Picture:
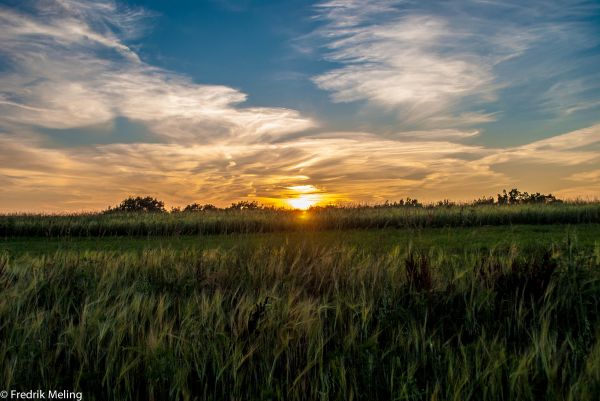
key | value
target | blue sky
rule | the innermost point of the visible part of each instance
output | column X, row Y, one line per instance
column 348, row 101
column 271, row 50
column 263, row 48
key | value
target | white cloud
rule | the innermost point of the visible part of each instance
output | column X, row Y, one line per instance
column 569, row 96
column 61, row 76
column 436, row 64
column 438, row 134
column 570, row 149
column 410, row 62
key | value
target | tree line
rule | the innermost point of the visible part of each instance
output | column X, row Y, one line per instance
column 153, row 205
column 506, row 198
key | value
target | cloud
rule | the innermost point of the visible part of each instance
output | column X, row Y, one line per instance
column 340, row 168
column 69, row 64
column 358, row 167
column 439, row 63
column 586, row 176
column 573, row 148
column 570, row 96
column 70, row 67
column 439, row 134
column 409, row 62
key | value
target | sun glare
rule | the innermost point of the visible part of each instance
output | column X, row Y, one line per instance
column 303, row 202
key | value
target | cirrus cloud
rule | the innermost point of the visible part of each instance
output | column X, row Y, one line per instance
column 69, row 66
column 441, row 64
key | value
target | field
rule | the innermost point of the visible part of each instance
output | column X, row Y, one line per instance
column 446, row 303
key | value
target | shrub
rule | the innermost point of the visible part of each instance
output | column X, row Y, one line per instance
column 196, row 207
column 245, row 205
column 139, row 204
column 515, row 197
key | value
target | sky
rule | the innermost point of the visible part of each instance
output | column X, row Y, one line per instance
column 295, row 102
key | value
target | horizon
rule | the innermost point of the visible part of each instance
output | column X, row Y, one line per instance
column 301, row 205
column 297, row 103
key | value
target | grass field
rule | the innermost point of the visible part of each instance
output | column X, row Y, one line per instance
column 415, row 304
column 269, row 220
column 450, row 239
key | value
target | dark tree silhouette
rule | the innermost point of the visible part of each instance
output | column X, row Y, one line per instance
column 139, row 204
column 516, row 197
column 245, row 205
column 484, row 200
column 196, row 207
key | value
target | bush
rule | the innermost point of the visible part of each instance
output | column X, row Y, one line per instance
column 515, row 197
column 245, row 205
column 196, row 207
column 138, row 204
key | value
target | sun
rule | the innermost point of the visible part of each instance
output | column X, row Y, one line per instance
column 302, row 197
column 303, row 202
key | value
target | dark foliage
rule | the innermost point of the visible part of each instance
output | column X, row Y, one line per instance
column 408, row 202
column 139, row 204
column 516, row 197
column 418, row 271
column 245, row 205
column 196, row 207
column 484, row 200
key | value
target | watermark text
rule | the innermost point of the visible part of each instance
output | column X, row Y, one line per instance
column 41, row 395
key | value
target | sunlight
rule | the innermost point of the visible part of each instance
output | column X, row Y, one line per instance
column 303, row 202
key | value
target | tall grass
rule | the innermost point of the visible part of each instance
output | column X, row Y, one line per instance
column 304, row 322
column 251, row 221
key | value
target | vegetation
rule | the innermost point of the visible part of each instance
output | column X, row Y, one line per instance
column 304, row 322
column 273, row 220
column 453, row 240
column 513, row 197
column 486, row 301
column 139, row 204
column 195, row 207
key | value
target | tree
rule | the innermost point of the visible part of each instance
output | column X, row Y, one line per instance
column 138, row 204
column 196, row 207
column 412, row 202
column 503, row 199
column 244, row 205
column 445, row 203
column 484, row 200
column 516, row 197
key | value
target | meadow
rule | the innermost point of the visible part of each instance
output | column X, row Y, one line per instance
column 280, row 220
column 446, row 303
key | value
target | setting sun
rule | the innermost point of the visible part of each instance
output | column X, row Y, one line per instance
column 302, row 197
column 303, row 202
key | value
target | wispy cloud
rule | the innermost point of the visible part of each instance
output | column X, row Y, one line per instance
column 439, row 63
column 573, row 148
column 438, row 134
column 413, row 62
column 341, row 166
column 69, row 66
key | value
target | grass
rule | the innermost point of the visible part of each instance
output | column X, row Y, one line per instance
column 428, row 311
column 260, row 221
column 304, row 322
column 451, row 239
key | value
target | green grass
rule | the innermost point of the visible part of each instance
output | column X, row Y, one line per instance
column 426, row 311
column 451, row 239
column 260, row 221
column 298, row 322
